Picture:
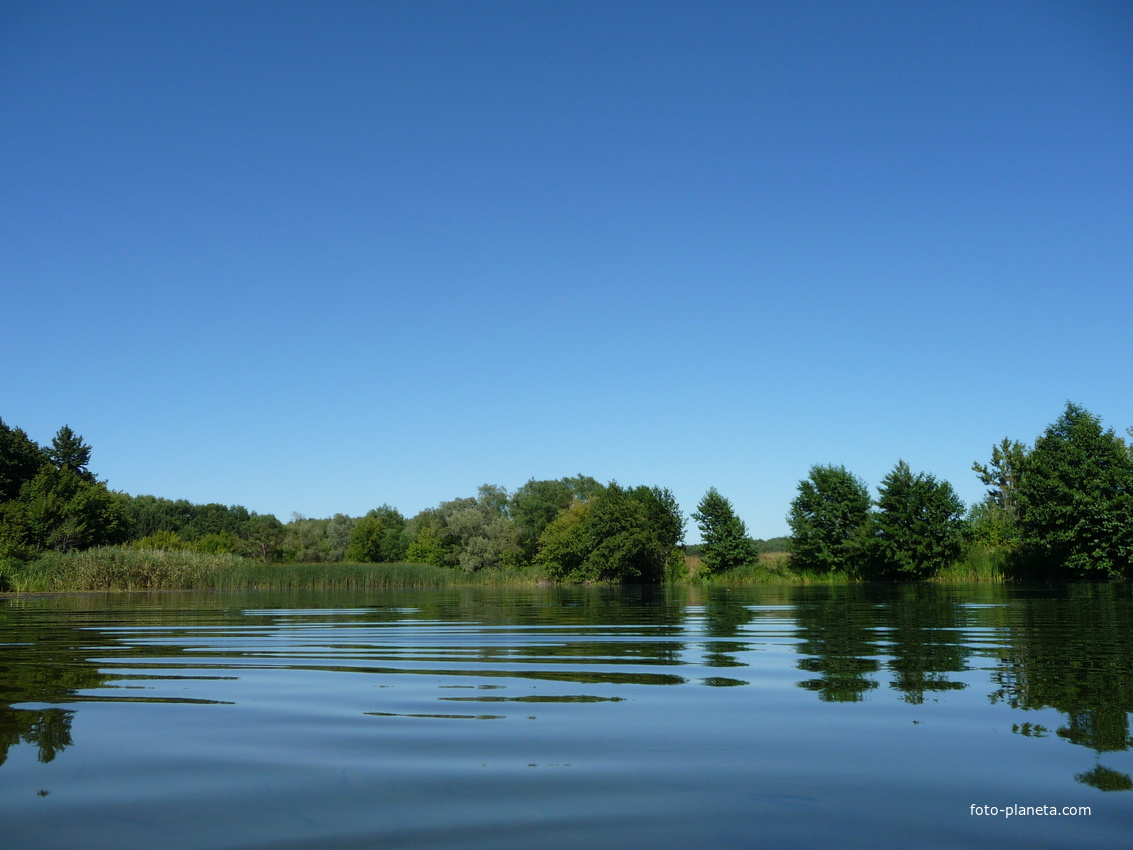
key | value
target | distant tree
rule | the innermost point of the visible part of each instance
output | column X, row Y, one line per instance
column 535, row 505
column 726, row 543
column 477, row 533
column 563, row 545
column 221, row 543
column 1076, row 499
column 63, row 510
column 918, row 528
column 614, row 535
column 378, row 537
column 68, row 452
column 163, row 540
column 20, row 459
column 263, row 536
column 828, row 519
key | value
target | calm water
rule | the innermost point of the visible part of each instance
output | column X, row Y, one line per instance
column 770, row 717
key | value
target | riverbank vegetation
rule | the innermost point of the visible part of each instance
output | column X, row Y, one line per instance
column 1062, row 509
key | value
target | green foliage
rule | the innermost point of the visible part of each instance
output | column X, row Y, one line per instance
column 828, row 519
column 263, row 537
column 918, row 528
column 166, row 540
column 536, row 504
column 615, row 535
column 563, row 545
column 426, row 547
column 1076, row 499
column 20, row 459
column 378, row 537
column 994, row 521
column 726, row 544
column 64, row 511
column 68, row 452
column 222, row 543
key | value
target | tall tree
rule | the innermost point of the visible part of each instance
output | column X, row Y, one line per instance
column 1076, row 499
column 726, row 542
column 68, row 452
column 828, row 518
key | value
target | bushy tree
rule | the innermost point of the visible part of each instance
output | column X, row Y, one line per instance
column 63, row 511
column 918, row 527
column 20, row 459
column 563, row 544
column 378, row 537
column 537, row 503
column 616, row 535
column 828, row 519
column 726, row 542
column 263, row 536
column 1076, row 499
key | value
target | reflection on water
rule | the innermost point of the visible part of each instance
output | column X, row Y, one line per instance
column 765, row 687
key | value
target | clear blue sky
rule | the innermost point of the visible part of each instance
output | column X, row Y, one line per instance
column 315, row 257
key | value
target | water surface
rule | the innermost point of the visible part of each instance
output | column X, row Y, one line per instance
column 778, row 717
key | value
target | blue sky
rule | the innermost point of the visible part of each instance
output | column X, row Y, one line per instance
column 317, row 257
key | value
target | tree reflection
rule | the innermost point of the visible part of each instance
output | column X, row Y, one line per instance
column 41, row 663
column 838, row 631
column 1072, row 650
column 924, row 624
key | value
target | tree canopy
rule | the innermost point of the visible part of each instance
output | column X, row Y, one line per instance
column 1076, row 499
column 828, row 519
column 918, row 528
column 726, row 542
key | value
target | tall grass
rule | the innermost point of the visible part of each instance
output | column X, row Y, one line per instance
column 121, row 568
column 771, row 568
column 980, row 564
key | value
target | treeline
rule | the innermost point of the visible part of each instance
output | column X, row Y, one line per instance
column 572, row 529
column 1060, row 509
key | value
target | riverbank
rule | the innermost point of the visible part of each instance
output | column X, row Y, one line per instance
column 123, row 568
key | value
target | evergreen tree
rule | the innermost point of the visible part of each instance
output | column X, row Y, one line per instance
column 726, row 542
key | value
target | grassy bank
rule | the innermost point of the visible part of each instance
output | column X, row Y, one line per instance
column 117, row 568
column 771, row 568
column 121, row 568
column 979, row 565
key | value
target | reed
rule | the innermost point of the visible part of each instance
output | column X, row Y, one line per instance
column 126, row 568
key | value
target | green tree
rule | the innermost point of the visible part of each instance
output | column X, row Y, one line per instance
column 537, row 503
column 378, row 537
column 828, row 519
column 918, row 528
column 263, row 536
column 20, row 460
column 615, row 535
column 68, row 452
column 563, row 545
column 994, row 521
column 726, row 542
column 64, row 511
column 1076, row 499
